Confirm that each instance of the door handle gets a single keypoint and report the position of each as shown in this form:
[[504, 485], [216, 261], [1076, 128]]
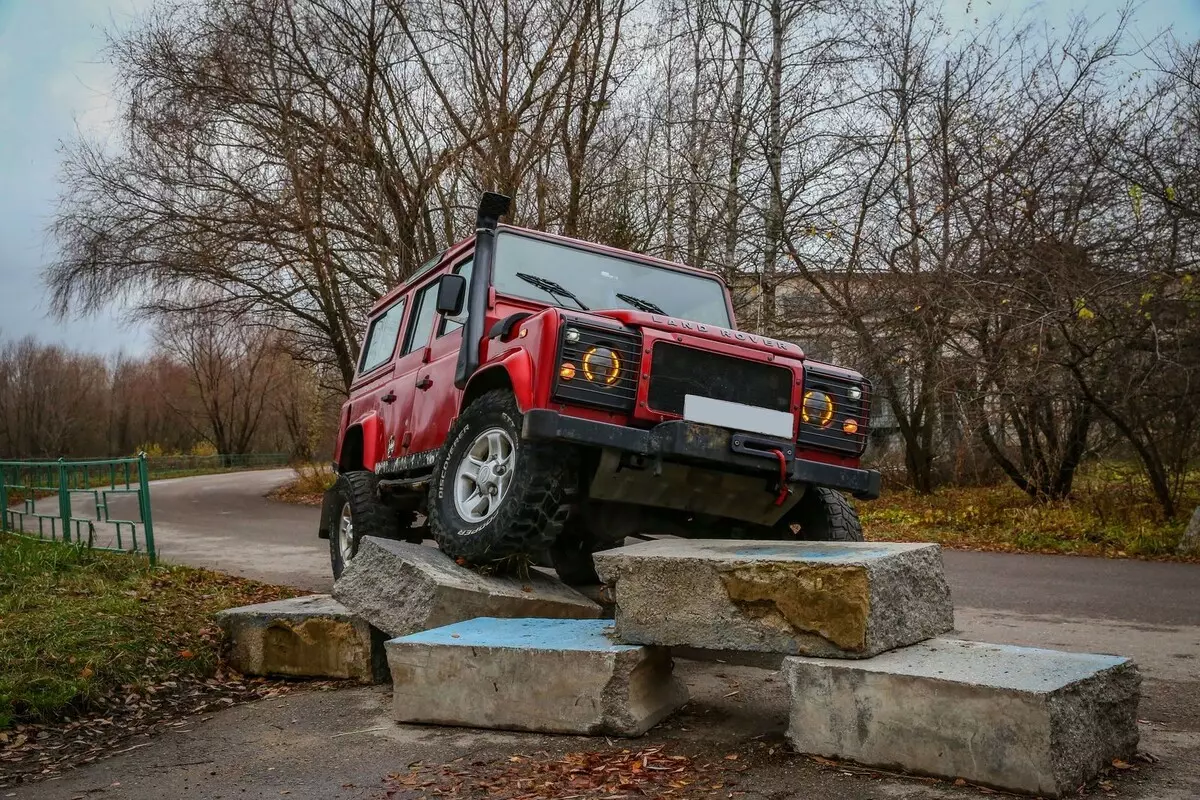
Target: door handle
[[390, 397], [424, 383]]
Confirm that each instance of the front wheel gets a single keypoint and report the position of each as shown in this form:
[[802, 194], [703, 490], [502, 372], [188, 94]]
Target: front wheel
[[493, 495], [822, 515], [360, 513]]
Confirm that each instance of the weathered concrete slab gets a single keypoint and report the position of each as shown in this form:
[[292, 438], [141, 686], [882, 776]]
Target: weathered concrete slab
[[848, 600], [403, 588], [546, 675], [311, 637], [1016, 718]]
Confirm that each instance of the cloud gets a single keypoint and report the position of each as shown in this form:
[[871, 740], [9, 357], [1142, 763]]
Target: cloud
[[86, 90]]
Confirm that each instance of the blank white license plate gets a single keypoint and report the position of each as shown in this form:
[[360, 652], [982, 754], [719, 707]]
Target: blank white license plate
[[737, 416]]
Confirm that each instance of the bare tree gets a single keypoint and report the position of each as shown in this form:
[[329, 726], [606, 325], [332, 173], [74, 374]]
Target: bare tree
[[232, 371]]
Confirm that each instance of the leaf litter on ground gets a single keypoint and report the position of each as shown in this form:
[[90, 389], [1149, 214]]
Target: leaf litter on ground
[[614, 774]]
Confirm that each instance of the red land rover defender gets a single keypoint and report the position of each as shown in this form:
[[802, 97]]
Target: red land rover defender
[[585, 394]]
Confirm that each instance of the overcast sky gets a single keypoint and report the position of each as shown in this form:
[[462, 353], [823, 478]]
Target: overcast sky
[[52, 84]]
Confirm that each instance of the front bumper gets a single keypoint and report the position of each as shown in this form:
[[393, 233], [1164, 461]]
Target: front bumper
[[705, 443]]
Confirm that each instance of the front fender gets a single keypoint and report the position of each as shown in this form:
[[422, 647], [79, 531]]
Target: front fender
[[515, 368]]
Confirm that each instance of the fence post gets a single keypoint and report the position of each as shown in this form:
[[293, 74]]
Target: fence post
[[64, 500], [144, 505], [3, 498]]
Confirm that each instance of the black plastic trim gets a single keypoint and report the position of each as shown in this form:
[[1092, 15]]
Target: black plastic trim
[[329, 510], [503, 327]]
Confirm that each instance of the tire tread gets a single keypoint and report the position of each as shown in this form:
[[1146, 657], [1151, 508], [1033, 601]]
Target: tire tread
[[537, 506]]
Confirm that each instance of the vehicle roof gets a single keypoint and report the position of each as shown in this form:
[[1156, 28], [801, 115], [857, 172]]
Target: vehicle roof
[[460, 247]]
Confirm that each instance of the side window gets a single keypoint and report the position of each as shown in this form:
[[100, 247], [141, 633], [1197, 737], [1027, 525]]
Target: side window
[[381, 337], [451, 324], [423, 318]]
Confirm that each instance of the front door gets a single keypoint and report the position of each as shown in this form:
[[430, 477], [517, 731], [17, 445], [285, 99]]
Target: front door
[[414, 355], [436, 403]]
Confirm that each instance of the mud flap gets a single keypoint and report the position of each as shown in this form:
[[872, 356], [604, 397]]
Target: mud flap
[[329, 509]]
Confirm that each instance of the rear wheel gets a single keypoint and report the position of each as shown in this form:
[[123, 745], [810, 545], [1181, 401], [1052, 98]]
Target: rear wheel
[[822, 515], [360, 513], [493, 495]]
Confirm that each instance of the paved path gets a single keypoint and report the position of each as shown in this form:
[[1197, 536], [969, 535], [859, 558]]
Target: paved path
[[225, 522]]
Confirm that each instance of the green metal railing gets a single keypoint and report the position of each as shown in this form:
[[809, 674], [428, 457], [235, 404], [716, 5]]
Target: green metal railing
[[84, 491]]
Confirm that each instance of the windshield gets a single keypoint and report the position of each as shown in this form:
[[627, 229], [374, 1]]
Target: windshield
[[572, 277]]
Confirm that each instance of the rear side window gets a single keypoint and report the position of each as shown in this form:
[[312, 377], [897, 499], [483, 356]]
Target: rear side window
[[381, 337]]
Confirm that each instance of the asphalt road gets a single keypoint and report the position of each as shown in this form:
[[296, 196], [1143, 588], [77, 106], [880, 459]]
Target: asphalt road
[[302, 745]]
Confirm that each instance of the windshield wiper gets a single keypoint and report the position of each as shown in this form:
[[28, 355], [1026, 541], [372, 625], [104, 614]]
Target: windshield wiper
[[641, 305], [550, 287]]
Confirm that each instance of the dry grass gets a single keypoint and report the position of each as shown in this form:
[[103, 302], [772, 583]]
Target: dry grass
[[311, 482], [78, 626], [1110, 514]]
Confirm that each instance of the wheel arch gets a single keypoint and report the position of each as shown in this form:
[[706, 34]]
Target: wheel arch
[[514, 372], [351, 456], [362, 445]]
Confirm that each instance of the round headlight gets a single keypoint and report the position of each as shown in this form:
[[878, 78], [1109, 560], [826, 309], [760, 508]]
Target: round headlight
[[854, 393], [572, 335], [601, 365], [818, 409]]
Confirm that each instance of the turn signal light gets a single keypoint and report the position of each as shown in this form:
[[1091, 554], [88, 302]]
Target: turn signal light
[[850, 426], [566, 371]]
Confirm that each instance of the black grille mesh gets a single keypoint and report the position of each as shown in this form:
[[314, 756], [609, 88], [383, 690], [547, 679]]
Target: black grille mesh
[[621, 394], [676, 371], [834, 436]]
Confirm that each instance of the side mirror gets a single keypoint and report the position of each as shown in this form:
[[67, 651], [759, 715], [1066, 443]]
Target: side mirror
[[452, 295]]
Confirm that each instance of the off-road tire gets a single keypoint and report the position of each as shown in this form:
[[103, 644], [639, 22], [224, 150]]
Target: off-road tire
[[530, 516], [370, 517], [823, 515]]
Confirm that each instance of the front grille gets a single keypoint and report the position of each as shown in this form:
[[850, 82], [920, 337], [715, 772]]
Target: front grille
[[834, 436], [622, 393], [677, 371]]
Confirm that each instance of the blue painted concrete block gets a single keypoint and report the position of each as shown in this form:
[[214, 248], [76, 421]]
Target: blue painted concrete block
[[546, 675], [527, 634]]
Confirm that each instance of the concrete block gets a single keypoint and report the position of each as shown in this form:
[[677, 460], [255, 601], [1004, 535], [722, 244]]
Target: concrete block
[[1189, 544], [842, 600], [403, 588], [545, 675], [1014, 718], [310, 637]]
